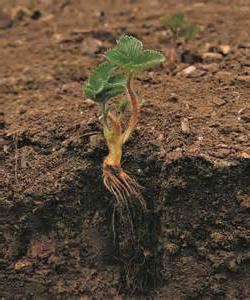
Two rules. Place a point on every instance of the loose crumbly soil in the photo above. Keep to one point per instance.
(56, 237)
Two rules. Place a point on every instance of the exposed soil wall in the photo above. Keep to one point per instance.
(190, 153)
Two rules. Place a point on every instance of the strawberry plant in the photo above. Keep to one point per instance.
(114, 78)
(179, 29)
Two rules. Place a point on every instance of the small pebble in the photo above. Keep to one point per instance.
(225, 49)
(58, 37)
(173, 98)
(224, 75)
(99, 14)
(246, 201)
(22, 264)
(197, 73)
(245, 155)
(90, 46)
(70, 87)
(171, 247)
(219, 102)
(139, 171)
(185, 127)
(213, 67)
(244, 45)
(245, 80)
(95, 140)
(188, 70)
(210, 57)
(222, 153)
(232, 265)
(89, 102)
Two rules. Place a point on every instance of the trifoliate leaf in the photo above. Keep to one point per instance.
(175, 21)
(103, 85)
(129, 54)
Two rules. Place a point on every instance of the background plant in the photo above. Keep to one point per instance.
(111, 79)
(179, 29)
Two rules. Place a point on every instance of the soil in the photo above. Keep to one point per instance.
(190, 152)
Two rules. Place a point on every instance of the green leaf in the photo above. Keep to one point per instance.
(189, 32)
(109, 92)
(89, 91)
(118, 80)
(175, 21)
(130, 46)
(102, 85)
(149, 59)
(122, 105)
(129, 54)
(100, 75)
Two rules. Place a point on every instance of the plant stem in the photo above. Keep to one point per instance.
(172, 55)
(115, 123)
(115, 151)
(104, 115)
(114, 120)
(135, 108)
(113, 136)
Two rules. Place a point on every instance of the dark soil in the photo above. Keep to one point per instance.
(190, 152)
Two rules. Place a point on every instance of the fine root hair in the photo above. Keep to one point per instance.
(121, 185)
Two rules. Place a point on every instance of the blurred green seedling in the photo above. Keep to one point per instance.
(180, 29)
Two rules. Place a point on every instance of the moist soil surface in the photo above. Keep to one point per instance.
(190, 153)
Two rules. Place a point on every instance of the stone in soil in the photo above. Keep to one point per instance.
(210, 57)
(219, 102)
(95, 141)
(22, 264)
(213, 68)
(185, 126)
(225, 49)
(188, 70)
(243, 80)
(244, 45)
(173, 98)
(90, 46)
(246, 201)
(193, 72)
(224, 75)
